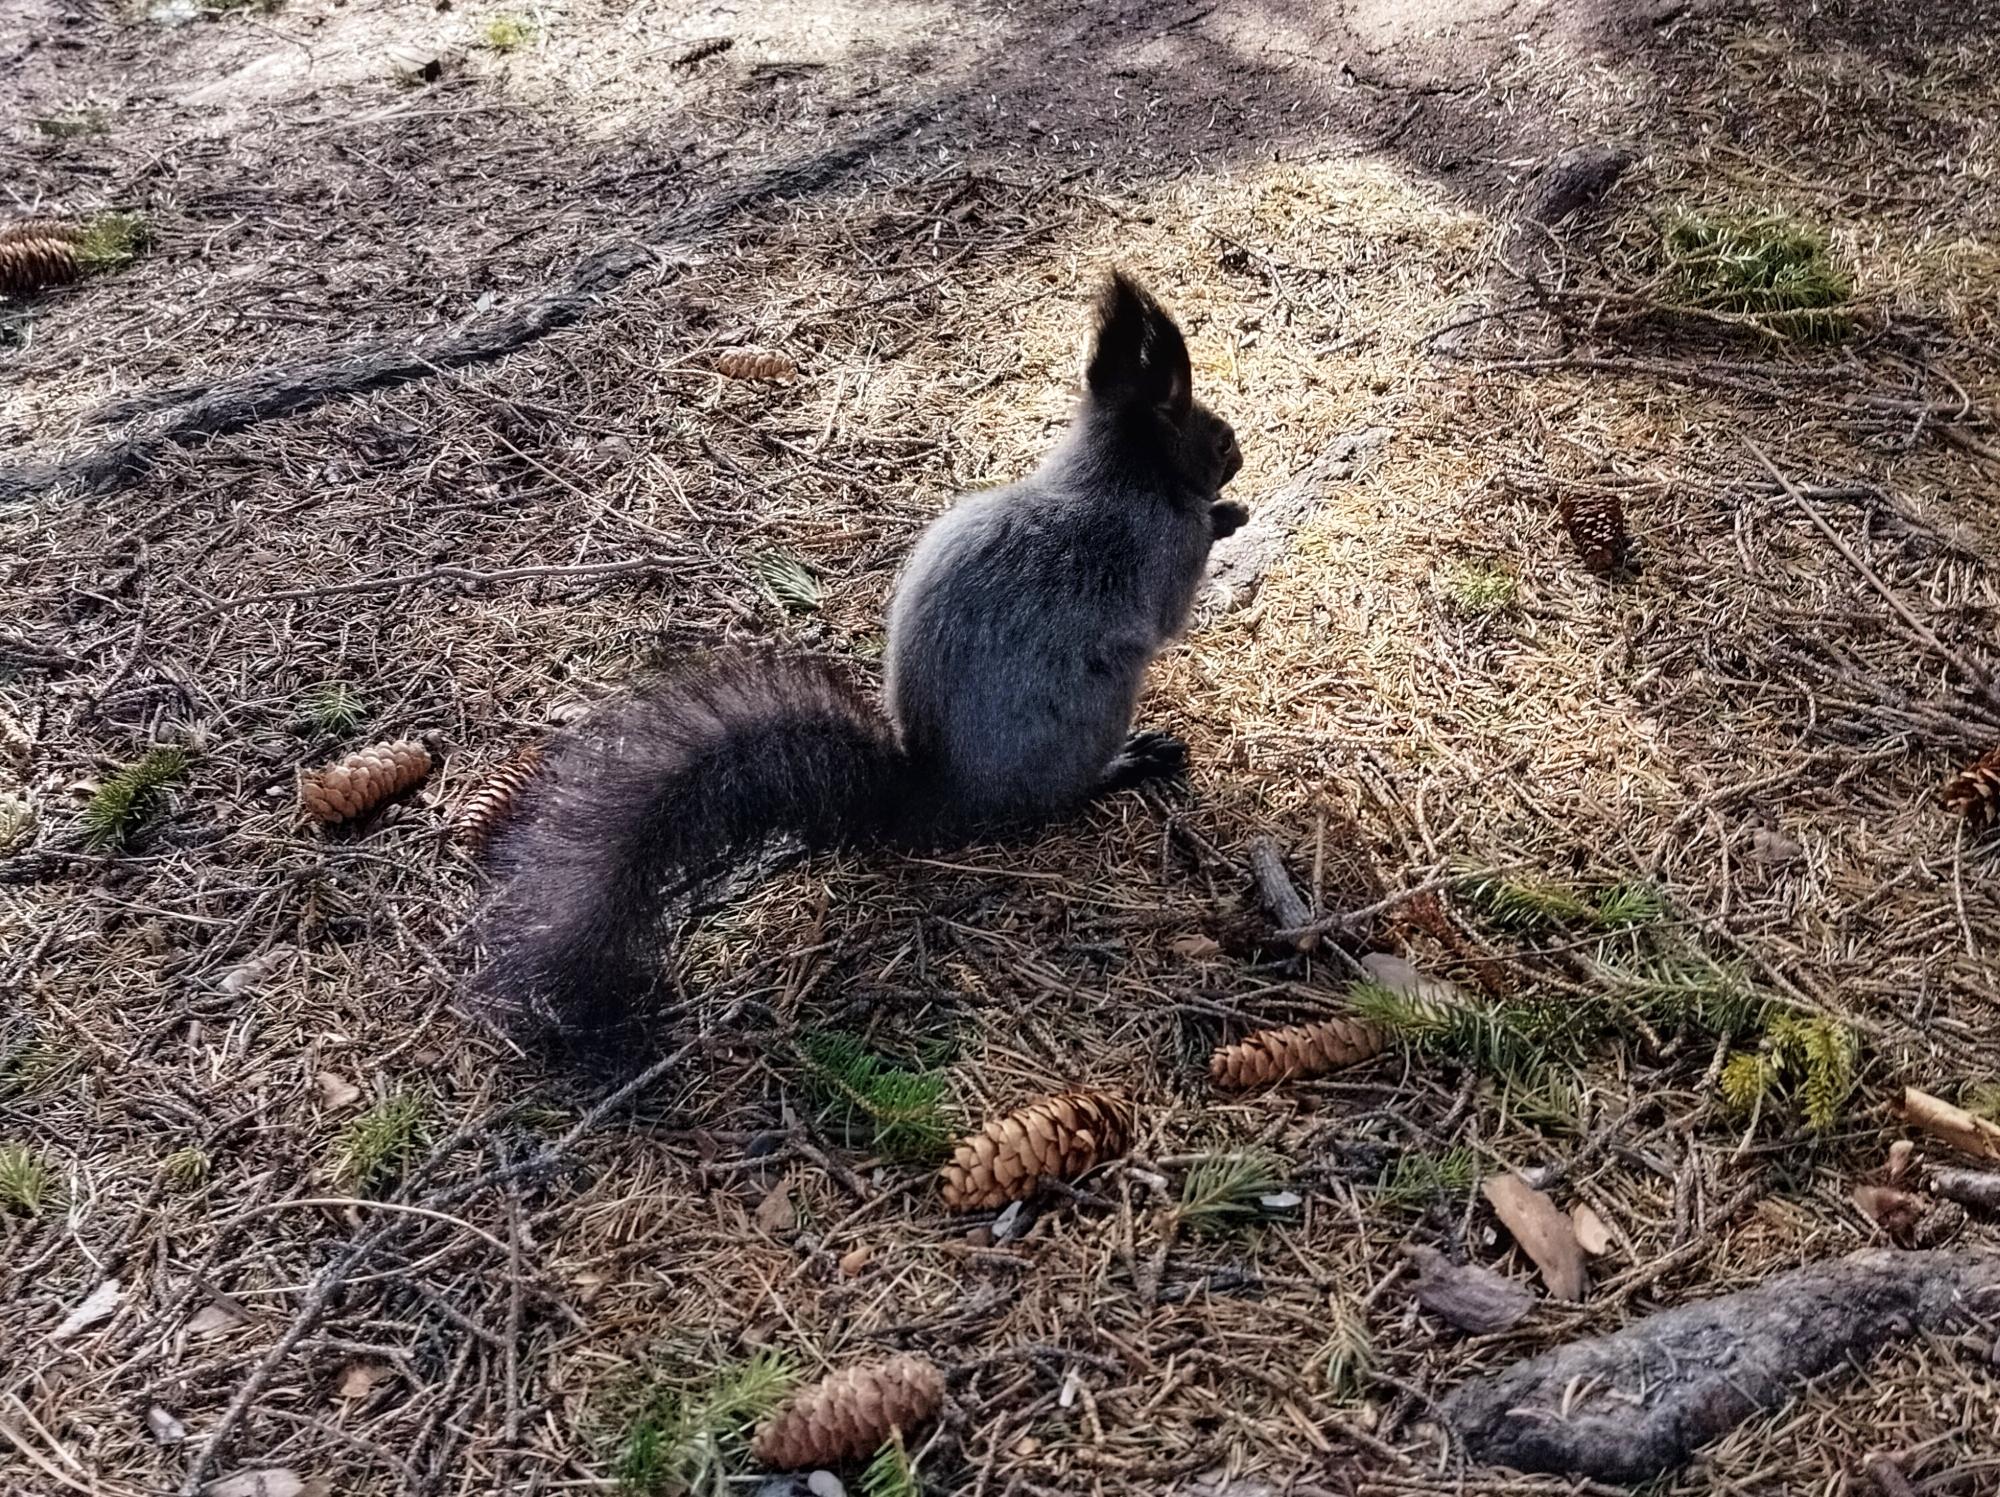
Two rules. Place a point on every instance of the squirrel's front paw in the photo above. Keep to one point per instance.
(1226, 517)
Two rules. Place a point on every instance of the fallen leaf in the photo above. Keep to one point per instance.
(97, 1306)
(164, 1427)
(335, 1092)
(274, 1481)
(1592, 1235)
(1896, 1212)
(1010, 1223)
(1775, 848)
(852, 1262)
(1399, 977)
(1962, 1130)
(213, 1319)
(248, 976)
(777, 1214)
(416, 64)
(1902, 1154)
(1472, 1298)
(1544, 1233)
(1196, 947)
(359, 1379)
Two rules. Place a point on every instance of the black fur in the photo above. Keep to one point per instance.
(650, 802)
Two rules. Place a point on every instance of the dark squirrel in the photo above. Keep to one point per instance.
(1019, 635)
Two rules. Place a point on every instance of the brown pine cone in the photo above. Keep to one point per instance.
(363, 780)
(1054, 1138)
(1974, 792)
(490, 807)
(741, 363)
(1596, 526)
(848, 1415)
(40, 228)
(1272, 1055)
(34, 261)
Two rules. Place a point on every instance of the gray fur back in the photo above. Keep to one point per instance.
(1021, 629)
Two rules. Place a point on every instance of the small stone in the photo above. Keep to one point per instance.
(825, 1484)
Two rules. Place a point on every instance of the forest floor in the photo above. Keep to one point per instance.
(406, 422)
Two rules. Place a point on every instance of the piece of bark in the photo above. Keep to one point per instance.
(1545, 1234)
(1639, 1402)
(1281, 897)
(1970, 1135)
(1238, 562)
(1979, 1188)
(1471, 1297)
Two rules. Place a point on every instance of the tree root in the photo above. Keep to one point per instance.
(1639, 1402)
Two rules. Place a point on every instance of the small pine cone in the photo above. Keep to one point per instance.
(363, 780)
(489, 808)
(847, 1416)
(1974, 792)
(1596, 526)
(741, 363)
(1054, 1138)
(702, 50)
(32, 262)
(1272, 1055)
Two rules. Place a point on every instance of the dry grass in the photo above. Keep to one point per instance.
(1747, 730)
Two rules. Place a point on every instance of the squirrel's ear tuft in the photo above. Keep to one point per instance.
(1139, 357)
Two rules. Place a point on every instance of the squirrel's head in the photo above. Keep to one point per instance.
(1139, 378)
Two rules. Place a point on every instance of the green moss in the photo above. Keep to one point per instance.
(124, 802)
(24, 1180)
(1768, 267)
(1482, 587)
(381, 1142)
(509, 31)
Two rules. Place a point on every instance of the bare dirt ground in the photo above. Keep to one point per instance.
(474, 542)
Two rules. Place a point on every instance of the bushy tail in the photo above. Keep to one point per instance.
(653, 799)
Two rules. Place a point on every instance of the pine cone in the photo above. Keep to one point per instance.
(40, 228)
(1054, 1138)
(1301, 1050)
(848, 1415)
(1974, 792)
(489, 808)
(1596, 526)
(32, 262)
(702, 50)
(741, 363)
(364, 780)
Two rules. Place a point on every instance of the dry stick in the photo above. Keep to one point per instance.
(1971, 672)
(1281, 897)
(1350, 918)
